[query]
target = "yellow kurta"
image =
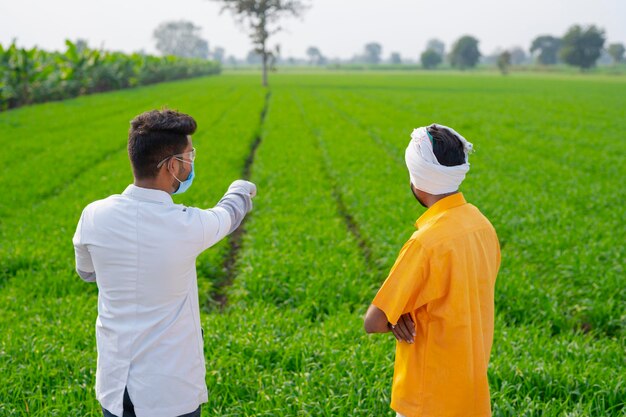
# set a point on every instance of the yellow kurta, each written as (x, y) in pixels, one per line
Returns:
(444, 277)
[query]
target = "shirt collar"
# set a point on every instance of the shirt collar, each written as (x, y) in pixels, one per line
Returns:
(439, 208)
(148, 194)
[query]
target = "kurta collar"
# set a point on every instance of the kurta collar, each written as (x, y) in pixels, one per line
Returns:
(439, 208)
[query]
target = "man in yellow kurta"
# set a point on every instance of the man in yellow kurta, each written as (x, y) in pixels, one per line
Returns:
(438, 299)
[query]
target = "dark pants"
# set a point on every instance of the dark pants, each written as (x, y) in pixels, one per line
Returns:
(129, 409)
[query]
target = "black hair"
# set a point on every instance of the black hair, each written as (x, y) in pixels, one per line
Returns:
(156, 135)
(447, 147)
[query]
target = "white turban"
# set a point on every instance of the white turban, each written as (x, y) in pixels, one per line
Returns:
(426, 173)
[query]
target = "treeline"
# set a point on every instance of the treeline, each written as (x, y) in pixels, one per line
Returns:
(582, 47)
(33, 75)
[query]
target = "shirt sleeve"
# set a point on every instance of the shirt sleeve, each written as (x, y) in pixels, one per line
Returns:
(216, 225)
(83, 258)
(228, 214)
(238, 204)
(407, 284)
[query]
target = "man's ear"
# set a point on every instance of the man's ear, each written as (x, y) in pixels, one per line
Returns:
(169, 166)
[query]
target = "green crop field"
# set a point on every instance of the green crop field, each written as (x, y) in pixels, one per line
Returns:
(283, 300)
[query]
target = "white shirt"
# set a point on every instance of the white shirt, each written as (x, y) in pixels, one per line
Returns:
(141, 249)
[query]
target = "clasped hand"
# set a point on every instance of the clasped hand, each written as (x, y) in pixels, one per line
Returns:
(404, 330)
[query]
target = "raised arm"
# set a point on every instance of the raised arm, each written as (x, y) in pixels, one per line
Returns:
(223, 219)
(238, 202)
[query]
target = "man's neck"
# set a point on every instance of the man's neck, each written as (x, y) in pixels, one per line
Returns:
(150, 184)
(432, 199)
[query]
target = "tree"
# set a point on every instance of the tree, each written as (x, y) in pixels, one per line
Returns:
(518, 56)
(395, 58)
(254, 58)
(81, 45)
(492, 57)
(430, 59)
(547, 48)
(231, 60)
(504, 62)
(181, 38)
(274, 58)
(262, 17)
(218, 54)
(437, 46)
(373, 51)
(616, 50)
(315, 56)
(465, 53)
(582, 46)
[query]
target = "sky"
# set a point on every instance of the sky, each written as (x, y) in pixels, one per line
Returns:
(339, 28)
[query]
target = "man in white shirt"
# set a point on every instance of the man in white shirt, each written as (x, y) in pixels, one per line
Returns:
(141, 248)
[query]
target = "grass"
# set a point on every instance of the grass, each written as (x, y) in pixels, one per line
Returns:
(332, 212)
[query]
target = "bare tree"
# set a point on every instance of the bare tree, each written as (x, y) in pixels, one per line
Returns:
(262, 17)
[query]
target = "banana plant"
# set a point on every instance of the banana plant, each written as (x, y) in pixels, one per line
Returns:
(33, 75)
